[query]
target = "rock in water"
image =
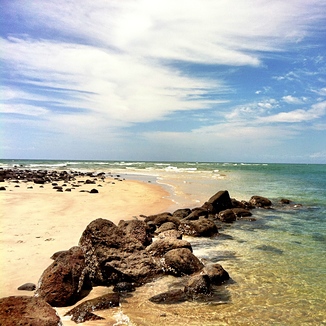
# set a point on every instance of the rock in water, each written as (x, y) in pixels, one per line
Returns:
(170, 297)
(220, 201)
(259, 201)
(181, 262)
(83, 311)
(29, 311)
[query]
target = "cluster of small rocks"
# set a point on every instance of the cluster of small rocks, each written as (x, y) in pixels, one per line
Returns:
(129, 255)
(60, 180)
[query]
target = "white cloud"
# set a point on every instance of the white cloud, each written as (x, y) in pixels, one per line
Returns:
(293, 100)
(316, 111)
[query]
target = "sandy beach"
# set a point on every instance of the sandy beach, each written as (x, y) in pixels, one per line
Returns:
(37, 222)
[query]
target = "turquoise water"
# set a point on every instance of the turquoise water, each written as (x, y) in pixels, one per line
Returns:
(277, 263)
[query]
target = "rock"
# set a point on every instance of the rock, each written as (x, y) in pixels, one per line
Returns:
(94, 191)
(241, 212)
(216, 273)
(200, 228)
(61, 284)
(27, 287)
(220, 201)
(112, 256)
(39, 181)
(170, 297)
(259, 201)
(2, 188)
(198, 284)
(196, 214)
(227, 216)
(166, 227)
(83, 311)
(124, 287)
(181, 213)
(138, 230)
(159, 219)
(174, 234)
(29, 311)
(285, 201)
(181, 262)
(161, 246)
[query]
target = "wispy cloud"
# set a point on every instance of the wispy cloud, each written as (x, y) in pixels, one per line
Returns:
(301, 115)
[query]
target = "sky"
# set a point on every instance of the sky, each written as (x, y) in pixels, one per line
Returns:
(195, 80)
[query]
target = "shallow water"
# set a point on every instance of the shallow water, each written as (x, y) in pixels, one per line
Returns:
(277, 263)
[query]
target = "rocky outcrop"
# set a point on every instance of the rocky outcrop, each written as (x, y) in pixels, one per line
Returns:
(29, 311)
(63, 282)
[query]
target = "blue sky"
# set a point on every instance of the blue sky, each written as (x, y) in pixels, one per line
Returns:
(195, 80)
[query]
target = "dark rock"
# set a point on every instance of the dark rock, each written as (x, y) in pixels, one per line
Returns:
(27, 287)
(285, 201)
(259, 201)
(227, 216)
(209, 208)
(198, 284)
(166, 227)
(94, 191)
(61, 284)
(39, 181)
(200, 228)
(181, 262)
(170, 297)
(216, 273)
(196, 214)
(29, 311)
(161, 246)
(90, 182)
(124, 287)
(181, 213)
(82, 312)
(241, 212)
(113, 256)
(2, 188)
(220, 201)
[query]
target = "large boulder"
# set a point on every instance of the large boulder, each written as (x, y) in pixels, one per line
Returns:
(161, 246)
(202, 227)
(220, 201)
(259, 201)
(29, 311)
(113, 256)
(181, 262)
(63, 282)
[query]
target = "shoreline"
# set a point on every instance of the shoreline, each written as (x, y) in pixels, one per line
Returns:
(36, 223)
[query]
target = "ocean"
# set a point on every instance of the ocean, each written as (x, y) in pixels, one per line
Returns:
(277, 263)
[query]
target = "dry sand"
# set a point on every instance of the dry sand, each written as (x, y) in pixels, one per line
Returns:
(35, 223)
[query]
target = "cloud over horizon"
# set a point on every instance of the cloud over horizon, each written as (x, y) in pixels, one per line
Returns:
(122, 75)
